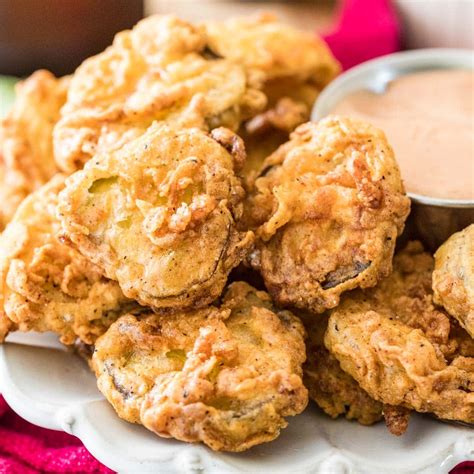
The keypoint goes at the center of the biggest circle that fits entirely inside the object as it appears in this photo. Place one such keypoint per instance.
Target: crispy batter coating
(289, 105)
(271, 50)
(396, 419)
(285, 116)
(160, 70)
(267, 131)
(335, 391)
(226, 376)
(159, 215)
(327, 208)
(259, 145)
(47, 286)
(453, 277)
(402, 349)
(26, 144)
(6, 326)
(292, 67)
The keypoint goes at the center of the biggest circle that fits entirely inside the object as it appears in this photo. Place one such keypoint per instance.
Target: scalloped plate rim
(74, 419)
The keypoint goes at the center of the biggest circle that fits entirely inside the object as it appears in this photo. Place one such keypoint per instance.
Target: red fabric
(365, 29)
(463, 468)
(27, 449)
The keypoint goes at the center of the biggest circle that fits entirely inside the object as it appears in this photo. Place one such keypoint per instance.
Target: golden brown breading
(271, 50)
(291, 66)
(225, 376)
(259, 145)
(335, 392)
(6, 326)
(26, 145)
(159, 215)
(396, 419)
(453, 277)
(265, 132)
(402, 349)
(285, 117)
(160, 70)
(47, 286)
(327, 209)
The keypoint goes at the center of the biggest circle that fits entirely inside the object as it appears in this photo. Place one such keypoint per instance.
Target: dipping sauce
(428, 118)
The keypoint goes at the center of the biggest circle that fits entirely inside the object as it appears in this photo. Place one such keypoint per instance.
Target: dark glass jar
(59, 34)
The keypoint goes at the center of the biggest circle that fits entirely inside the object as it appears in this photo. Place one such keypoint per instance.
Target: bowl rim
(389, 67)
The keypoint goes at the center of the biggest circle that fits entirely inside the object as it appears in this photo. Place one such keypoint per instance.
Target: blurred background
(59, 34)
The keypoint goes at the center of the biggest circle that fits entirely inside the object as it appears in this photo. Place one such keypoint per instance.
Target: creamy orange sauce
(428, 118)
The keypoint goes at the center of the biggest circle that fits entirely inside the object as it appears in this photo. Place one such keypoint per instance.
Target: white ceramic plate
(54, 389)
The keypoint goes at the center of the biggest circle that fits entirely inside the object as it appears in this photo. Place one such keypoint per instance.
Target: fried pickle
(47, 286)
(226, 376)
(273, 51)
(453, 277)
(161, 70)
(327, 209)
(402, 349)
(26, 143)
(159, 215)
(334, 391)
(291, 66)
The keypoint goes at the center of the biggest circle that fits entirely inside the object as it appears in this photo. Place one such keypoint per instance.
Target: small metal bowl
(432, 220)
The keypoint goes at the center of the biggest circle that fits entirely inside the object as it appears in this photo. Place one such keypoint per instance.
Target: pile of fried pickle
(170, 212)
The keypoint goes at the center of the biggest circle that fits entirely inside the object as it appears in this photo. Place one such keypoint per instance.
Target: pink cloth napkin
(365, 29)
(27, 449)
